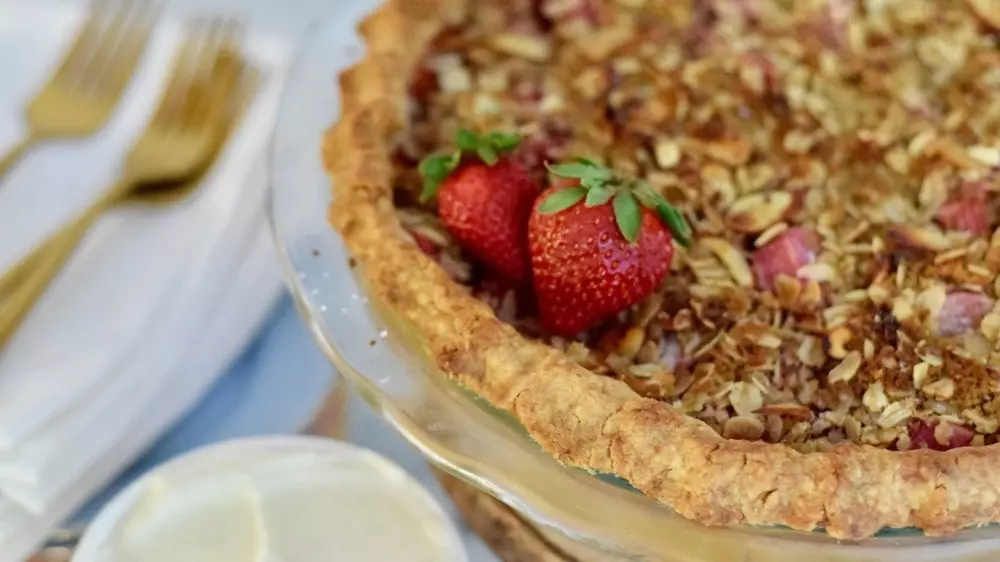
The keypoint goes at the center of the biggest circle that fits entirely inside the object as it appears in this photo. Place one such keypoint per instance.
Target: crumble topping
(837, 161)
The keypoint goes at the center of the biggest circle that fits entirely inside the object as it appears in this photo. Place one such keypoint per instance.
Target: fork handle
(15, 153)
(24, 284)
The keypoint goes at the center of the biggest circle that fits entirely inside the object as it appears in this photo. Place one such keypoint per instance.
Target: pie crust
(598, 423)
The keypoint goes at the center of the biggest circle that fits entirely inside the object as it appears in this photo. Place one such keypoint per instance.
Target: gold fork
(79, 97)
(209, 83)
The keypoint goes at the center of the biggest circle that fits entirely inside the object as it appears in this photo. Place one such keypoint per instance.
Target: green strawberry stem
(598, 185)
(488, 147)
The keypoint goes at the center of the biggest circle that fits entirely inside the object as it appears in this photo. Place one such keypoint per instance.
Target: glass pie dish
(384, 361)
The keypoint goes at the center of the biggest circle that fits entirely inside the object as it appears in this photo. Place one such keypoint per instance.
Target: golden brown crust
(598, 423)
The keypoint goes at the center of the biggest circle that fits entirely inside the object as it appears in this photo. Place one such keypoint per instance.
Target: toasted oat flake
(745, 398)
(530, 47)
(817, 272)
(732, 258)
(770, 234)
(986, 155)
(941, 388)
(758, 211)
(896, 413)
(846, 370)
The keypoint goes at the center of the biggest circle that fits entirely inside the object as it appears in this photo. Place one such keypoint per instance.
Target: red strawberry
(597, 247)
(484, 200)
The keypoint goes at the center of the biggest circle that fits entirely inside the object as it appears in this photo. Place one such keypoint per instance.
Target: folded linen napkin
(137, 256)
(96, 358)
(236, 317)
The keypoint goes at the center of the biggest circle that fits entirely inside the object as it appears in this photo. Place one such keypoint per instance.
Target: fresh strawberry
(484, 200)
(598, 246)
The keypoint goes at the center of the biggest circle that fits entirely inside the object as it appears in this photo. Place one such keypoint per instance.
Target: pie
(788, 314)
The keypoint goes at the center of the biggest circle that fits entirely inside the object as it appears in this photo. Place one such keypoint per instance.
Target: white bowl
(287, 499)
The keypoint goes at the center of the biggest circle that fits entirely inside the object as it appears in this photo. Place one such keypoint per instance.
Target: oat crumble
(838, 163)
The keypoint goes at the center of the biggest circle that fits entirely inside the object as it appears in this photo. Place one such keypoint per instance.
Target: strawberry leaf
(467, 140)
(597, 196)
(561, 200)
(676, 223)
(648, 196)
(580, 171)
(487, 154)
(434, 170)
(503, 142)
(628, 215)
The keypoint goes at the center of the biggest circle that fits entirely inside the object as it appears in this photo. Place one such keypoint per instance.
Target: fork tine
(180, 75)
(208, 73)
(131, 47)
(211, 48)
(107, 45)
(77, 53)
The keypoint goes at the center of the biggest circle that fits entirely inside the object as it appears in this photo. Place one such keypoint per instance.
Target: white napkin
(239, 313)
(100, 354)
(135, 256)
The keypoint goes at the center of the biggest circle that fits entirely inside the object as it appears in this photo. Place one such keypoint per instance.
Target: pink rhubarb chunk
(789, 251)
(922, 436)
(968, 210)
(962, 311)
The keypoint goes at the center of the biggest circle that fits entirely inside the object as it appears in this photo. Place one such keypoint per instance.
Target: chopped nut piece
(757, 211)
(668, 153)
(793, 411)
(919, 238)
(989, 10)
(810, 352)
(629, 345)
(846, 370)
(530, 47)
(920, 371)
(982, 423)
(941, 388)
(730, 153)
(748, 428)
(604, 41)
(838, 338)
